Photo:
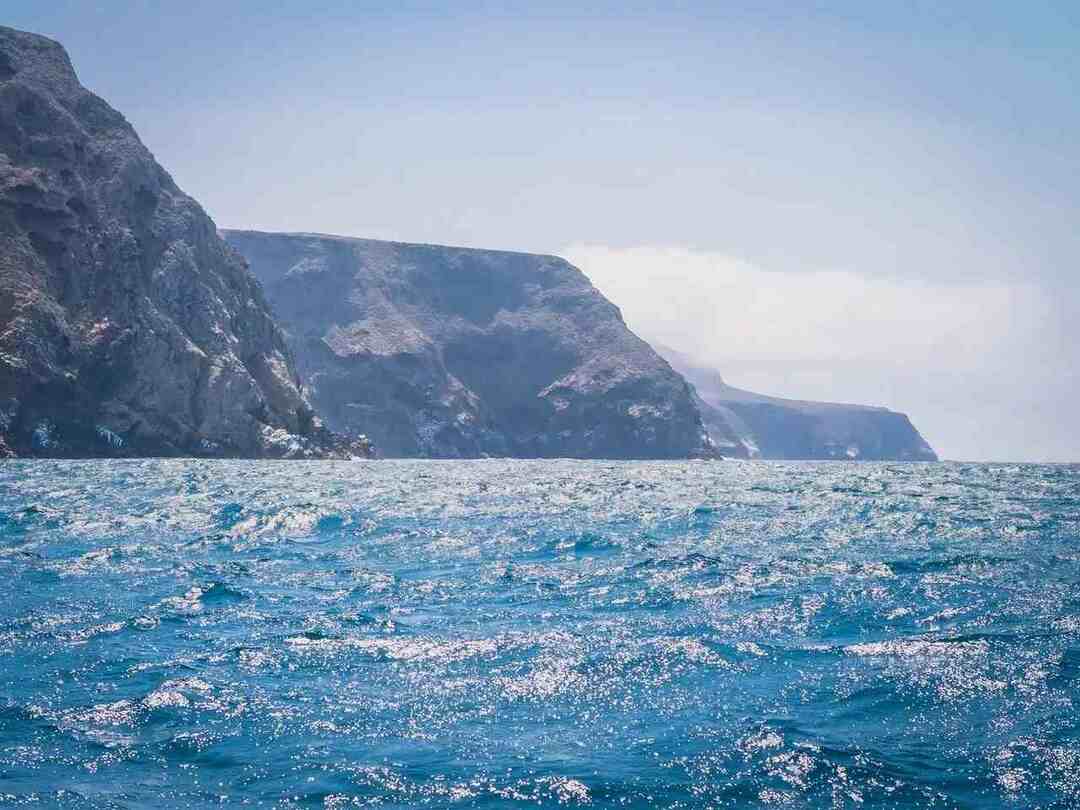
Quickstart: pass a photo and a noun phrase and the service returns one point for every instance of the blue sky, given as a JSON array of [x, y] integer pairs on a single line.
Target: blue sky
[[859, 201]]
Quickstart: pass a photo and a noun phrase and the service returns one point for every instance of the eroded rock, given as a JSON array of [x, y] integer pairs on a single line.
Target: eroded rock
[[452, 352], [127, 326]]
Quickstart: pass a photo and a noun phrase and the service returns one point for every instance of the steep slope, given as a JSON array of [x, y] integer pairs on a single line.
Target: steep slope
[[451, 352], [127, 326], [771, 427]]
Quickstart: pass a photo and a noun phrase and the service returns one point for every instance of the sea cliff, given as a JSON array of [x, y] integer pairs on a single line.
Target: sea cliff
[[127, 325], [455, 353]]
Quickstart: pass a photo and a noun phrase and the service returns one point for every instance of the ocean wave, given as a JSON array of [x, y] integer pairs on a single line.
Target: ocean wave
[[513, 633]]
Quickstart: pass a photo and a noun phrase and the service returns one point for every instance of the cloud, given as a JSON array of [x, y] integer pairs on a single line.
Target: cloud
[[960, 358]]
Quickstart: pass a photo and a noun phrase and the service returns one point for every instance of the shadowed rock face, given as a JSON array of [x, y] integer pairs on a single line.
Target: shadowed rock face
[[127, 326], [774, 428], [450, 352]]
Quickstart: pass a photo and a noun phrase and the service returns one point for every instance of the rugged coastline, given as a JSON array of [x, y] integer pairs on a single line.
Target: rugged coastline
[[130, 326]]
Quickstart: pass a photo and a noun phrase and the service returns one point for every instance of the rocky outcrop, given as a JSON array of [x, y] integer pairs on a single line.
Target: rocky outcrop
[[775, 428], [451, 352], [127, 326]]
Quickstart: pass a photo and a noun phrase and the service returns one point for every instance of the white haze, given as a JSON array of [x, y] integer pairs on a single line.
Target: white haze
[[901, 180], [947, 354]]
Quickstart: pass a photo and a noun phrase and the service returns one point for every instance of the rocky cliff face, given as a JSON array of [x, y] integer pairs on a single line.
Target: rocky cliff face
[[774, 428], [127, 326], [450, 352]]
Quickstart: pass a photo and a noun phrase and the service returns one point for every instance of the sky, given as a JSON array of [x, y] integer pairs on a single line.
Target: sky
[[851, 201]]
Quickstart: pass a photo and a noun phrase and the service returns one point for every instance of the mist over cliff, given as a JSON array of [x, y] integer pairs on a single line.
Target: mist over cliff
[[776, 428]]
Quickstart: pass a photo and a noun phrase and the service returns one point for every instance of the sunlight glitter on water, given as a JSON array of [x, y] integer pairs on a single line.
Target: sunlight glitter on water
[[503, 633]]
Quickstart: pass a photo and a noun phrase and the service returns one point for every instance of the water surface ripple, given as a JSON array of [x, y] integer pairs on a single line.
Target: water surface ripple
[[516, 633]]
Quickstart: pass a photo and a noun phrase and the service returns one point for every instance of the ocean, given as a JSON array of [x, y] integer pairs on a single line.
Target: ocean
[[498, 634]]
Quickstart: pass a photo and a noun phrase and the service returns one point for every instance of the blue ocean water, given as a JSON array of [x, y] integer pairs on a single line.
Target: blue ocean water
[[539, 634]]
